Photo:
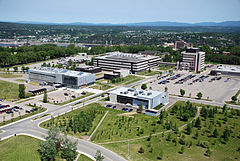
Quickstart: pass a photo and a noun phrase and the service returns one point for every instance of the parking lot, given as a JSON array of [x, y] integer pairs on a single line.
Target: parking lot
[[216, 88], [121, 107], [9, 110]]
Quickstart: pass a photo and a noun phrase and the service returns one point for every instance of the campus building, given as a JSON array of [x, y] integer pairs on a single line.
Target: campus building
[[226, 70], [192, 59], [72, 79], [133, 62], [148, 98]]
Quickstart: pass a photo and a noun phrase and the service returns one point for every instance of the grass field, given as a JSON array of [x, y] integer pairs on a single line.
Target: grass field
[[129, 79], [101, 86], [19, 148], [146, 73], [169, 146], [84, 158], [90, 108], [8, 90], [10, 75]]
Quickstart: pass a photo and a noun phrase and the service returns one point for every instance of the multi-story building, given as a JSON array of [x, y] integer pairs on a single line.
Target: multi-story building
[[72, 79], [133, 62], [147, 98], [192, 59]]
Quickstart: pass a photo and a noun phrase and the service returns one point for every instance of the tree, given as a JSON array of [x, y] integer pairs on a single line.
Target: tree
[[182, 150], [226, 134], [196, 135], [182, 92], [166, 89], [215, 133], [45, 97], [234, 99], [198, 123], [141, 150], [160, 155], [48, 150], [23, 69], [144, 86], [199, 95], [149, 70], [99, 156], [69, 149], [189, 129], [140, 107], [15, 68], [21, 91], [208, 152]]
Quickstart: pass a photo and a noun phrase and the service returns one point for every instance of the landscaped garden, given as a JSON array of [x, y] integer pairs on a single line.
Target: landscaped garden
[[215, 135], [80, 122]]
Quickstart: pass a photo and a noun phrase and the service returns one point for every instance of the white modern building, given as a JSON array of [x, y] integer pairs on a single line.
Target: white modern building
[[133, 62], [226, 70], [72, 79], [148, 98], [192, 59]]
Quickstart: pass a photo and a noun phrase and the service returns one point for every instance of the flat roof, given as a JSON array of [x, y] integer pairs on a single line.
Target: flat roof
[[133, 93], [227, 68], [60, 71], [126, 57]]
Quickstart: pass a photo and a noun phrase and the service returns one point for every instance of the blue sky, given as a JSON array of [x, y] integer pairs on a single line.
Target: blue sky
[[119, 11]]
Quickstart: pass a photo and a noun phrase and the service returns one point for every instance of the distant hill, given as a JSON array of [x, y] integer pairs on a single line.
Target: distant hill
[[156, 23]]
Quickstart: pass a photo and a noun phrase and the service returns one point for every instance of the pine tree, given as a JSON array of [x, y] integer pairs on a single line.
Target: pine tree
[[45, 97], [21, 89], [215, 133]]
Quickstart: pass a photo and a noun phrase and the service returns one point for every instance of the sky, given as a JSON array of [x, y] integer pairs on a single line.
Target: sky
[[119, 11]]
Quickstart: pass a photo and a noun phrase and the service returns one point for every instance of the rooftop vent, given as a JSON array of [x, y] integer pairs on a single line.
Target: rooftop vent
[[149, 93]]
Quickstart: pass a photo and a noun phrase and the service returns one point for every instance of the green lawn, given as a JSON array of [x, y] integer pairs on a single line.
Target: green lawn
[[8, 90], [19, 148], [101, 86], [129, 79], [84, 158], [165, 67], [9, 75], [146, 73], [94, 107], [158, 107], [195, 148]]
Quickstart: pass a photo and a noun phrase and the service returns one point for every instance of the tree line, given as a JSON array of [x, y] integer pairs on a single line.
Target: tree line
[[28, 54]]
